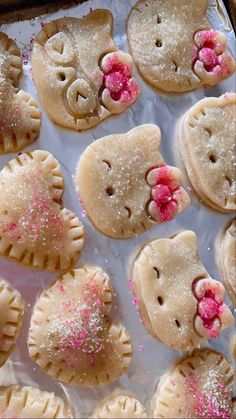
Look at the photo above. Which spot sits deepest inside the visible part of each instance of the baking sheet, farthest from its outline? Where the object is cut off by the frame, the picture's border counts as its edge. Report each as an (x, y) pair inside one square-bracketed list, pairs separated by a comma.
[(151, 358)]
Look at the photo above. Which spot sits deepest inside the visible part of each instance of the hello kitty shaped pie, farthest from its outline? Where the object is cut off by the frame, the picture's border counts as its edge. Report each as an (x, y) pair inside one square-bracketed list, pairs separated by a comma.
[(35, 229), (80, 75), (71, 336), (20, 118), (119, 406), (179, 303), (208, 150), (173, 46), (126, 186), (11, 315), (29, 402), (200, 386)]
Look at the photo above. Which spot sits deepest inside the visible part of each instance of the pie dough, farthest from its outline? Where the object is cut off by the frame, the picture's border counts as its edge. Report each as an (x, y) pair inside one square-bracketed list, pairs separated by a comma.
[(179, 303), (125, 185), (11, 315), (80, 75), (207, 144), (29, 402), (20, 118), (119, 406), (72, 337), (35, 230), (173, 46), (227, 260), (200, 386)]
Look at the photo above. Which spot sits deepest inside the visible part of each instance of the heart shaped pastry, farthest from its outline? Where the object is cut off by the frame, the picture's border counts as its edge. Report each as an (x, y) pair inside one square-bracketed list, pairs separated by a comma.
[(35, 229), (80, 75), (174, 47), (200, 386), (179, 303), (71, 336), (119, 406), (29, 402), (125, 184), (11, 315), (207, 145), (20, 118)]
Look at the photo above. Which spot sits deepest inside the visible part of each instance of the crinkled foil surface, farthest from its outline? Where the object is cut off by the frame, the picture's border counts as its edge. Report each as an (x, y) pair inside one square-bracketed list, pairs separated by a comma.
[(151, 358)]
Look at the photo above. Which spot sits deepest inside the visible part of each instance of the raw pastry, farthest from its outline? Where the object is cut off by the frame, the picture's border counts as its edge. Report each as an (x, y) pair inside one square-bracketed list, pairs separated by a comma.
[(71, 335), (126, 186), (80, 75), (20, 118), (227, 260), (174, 47), (180, 304), (207, 143), (119, 406), (11, 315), (30, 402), (197, 387), (35, 229)]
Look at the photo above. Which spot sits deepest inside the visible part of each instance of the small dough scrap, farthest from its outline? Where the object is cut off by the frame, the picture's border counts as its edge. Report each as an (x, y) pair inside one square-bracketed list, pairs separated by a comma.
[(35, 230), (119, 406), (125, 185), (20, 118), (31, 403), (80, 75), (173, 46), (227, 260), (72, 337), (207, 145), (11, 316), (179, 303), (200, 386)]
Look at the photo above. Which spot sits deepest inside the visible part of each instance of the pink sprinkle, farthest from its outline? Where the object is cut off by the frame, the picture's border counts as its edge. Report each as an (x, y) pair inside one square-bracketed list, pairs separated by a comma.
[(140, 348)]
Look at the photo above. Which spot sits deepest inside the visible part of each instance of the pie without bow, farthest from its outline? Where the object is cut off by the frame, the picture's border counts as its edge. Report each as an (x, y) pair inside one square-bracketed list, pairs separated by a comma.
[(35, 230), (80, 75), (20, 118), (119, 406), (11, 315), (71, 336)]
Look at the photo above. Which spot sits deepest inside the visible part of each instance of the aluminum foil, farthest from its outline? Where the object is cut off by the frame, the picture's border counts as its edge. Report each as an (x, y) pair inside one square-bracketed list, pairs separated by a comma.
[(151, 358)]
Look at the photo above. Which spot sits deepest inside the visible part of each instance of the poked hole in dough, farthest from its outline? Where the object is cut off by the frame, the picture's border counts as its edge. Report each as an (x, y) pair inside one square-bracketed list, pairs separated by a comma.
[(108, 164), (157, 272), (160, 300), (128, 211), (158, 19), (229, 180), (208, 131), (110, 191), (61, 76), (175, 65), (178, 325), (158, 43), (212, 157)]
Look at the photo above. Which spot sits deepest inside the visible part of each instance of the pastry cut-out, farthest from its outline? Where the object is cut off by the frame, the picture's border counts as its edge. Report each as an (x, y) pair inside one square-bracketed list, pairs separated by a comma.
[(80, 75), (29, 402), (179, 303), (11, 315), (35, 229), (20, 118), (174, 47), (71, 336), (207, 145), (126, 186), (200, 386), (119, 406)]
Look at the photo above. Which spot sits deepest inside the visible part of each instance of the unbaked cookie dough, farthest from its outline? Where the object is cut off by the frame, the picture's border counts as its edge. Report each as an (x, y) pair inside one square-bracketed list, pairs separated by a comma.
[(119, 406), (71, 336), (20, 118), (11, 315), (207, 145), (35, 229), (174, 47), (179, 303), (200, 386), (80, 75), (29, 402), (126, 186)]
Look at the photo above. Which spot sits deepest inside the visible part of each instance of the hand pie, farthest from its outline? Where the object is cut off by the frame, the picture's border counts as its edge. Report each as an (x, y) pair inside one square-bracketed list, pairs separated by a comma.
[(207, 145), (125, 184), (200, 386), (35, 230), (30, 402), (20, 118), (174, 47), (11, 315), (119, 406), (71, 336), (80, 75), (179, 303)]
